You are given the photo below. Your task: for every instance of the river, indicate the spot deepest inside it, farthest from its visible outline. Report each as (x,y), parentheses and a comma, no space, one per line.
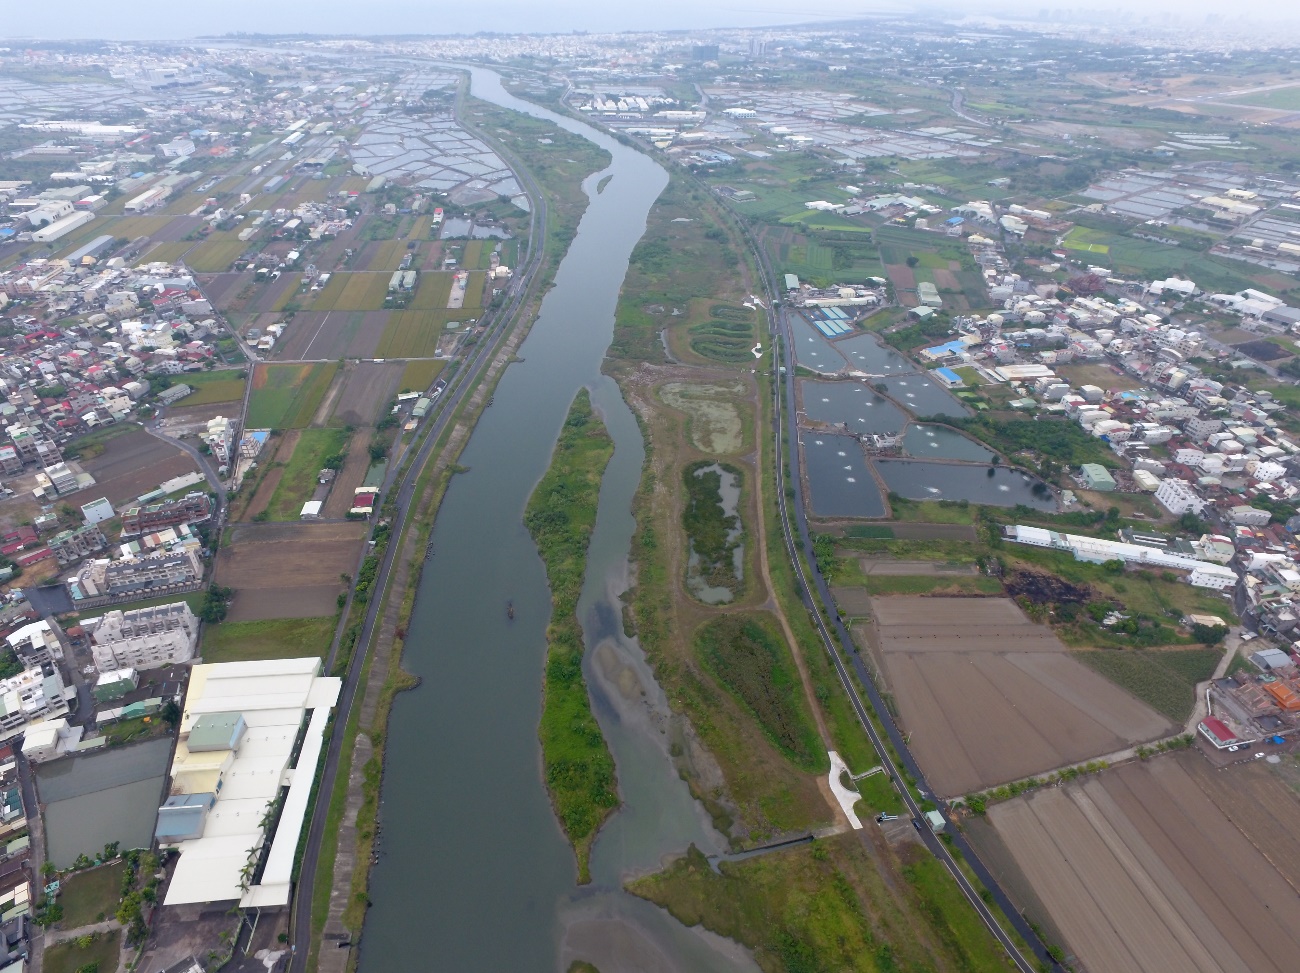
(474,872)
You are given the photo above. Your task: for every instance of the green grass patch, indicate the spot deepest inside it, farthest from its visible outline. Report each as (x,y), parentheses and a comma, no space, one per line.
(870,531)
(1166,680)
(275,638)
(1087,239)
(827,906)
(931,511)
(957,925)
(1054,439)
(101,953)
(1283,99)
(212,387)
(90,896)
(753,662)
(287,396)
(878,794)
(561,516)
(315,447)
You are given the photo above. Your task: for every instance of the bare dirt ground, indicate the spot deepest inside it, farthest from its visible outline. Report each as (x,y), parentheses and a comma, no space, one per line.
(368,387)
(892,566)
(1144,871)
(132,465)
(989,697)
(287,570)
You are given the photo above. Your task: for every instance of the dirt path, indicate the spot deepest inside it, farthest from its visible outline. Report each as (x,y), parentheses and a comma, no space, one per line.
(773,604)
(327,404)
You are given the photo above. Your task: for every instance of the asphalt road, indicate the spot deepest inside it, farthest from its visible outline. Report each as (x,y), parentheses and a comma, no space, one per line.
(462,384)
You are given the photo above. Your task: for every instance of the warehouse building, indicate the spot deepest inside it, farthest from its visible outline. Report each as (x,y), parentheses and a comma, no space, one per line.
(241,743)
(1097,477)
(1098,550)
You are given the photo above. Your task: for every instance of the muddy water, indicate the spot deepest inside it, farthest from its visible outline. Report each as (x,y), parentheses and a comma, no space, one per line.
(475,873)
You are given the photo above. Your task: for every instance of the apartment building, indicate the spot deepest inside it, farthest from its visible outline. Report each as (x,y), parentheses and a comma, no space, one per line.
(192,508)
(72,545)
(152,575)
(29,697)
(143,639)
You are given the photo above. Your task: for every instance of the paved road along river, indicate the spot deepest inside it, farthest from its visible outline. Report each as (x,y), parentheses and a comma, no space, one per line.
(475,873)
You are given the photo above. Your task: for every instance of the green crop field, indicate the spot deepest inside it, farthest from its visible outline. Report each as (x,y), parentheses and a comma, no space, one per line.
(413,334)
(1164,679)
(286,396)
(363,292)
(298,482)
(327,297)
(432,291)
(419,375)
(474,290)
(215,255)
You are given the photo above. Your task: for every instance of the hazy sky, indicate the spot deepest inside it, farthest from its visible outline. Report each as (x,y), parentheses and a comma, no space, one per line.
(150,19)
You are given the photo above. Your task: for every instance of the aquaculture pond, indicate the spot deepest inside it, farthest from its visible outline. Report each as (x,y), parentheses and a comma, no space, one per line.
(927,441)
(863,409)
(996,486)
(839,481)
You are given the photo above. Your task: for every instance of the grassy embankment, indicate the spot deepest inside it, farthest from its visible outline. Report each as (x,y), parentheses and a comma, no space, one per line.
(561,516)
(828,906)
(797,911)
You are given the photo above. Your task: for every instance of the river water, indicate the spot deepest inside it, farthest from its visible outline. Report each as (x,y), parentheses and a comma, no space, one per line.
(474,872)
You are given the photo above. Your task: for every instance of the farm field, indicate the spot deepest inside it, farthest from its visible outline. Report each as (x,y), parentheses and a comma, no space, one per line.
(287,570)
(431,292)
(132,465)
(356,291)
(368,388)
(330,335)
(415,334)
(298,480)
(989,697)
(1152,868)
(287,396)
(419,375)
(1283,99)
(215,254)
(212,387)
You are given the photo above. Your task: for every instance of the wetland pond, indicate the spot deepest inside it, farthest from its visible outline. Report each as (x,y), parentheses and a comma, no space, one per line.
(715,570)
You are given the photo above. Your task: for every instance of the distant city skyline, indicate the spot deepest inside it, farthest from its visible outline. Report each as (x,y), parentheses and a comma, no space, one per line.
(155,19)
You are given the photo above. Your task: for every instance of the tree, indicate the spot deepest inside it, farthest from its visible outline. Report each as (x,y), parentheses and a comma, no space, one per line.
(1115,566)
(171,713)
(913,260)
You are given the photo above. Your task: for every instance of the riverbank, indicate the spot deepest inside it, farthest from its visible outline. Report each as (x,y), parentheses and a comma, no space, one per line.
(561,516)
(559,162)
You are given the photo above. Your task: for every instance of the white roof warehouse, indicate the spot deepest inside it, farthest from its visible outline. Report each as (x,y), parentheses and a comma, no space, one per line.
(1099,550)
(232,763)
